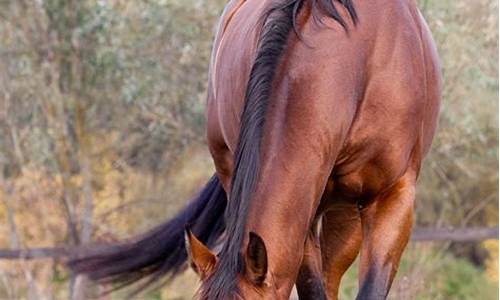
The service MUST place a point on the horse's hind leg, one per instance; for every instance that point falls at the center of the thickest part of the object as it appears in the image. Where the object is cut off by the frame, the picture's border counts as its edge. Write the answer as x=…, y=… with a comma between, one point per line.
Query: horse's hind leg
x=340, y=243
x=387, y=223
x=310, y=281
x=327, y=259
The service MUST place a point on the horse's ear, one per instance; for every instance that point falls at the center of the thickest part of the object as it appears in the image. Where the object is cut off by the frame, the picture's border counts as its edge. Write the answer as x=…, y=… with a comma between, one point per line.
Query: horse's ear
x=256, y=259
x=202, y=259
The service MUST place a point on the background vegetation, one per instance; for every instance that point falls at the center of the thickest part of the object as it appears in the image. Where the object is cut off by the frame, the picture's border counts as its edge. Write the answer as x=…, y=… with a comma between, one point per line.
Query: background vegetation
x=102, y=137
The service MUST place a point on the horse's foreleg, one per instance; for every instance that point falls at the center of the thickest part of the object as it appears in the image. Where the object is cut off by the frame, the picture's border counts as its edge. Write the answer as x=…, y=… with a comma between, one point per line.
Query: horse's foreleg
x=340, y=244
x=387, y=224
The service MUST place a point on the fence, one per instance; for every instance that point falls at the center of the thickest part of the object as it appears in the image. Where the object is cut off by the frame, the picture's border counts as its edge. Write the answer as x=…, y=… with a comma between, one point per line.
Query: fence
x=419, y=235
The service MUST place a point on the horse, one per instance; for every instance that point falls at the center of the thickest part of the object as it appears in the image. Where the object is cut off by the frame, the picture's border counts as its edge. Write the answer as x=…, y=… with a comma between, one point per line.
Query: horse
x=319, y=116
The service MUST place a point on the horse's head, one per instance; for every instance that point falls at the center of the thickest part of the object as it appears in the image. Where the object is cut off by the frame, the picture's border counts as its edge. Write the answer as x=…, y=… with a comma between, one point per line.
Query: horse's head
x=254, y=282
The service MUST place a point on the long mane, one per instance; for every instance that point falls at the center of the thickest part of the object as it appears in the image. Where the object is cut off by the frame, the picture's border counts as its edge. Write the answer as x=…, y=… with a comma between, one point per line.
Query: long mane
x=279, y=21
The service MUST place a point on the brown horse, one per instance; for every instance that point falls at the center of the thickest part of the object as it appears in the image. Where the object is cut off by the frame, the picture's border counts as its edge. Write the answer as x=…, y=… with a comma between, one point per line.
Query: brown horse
x=320, y=113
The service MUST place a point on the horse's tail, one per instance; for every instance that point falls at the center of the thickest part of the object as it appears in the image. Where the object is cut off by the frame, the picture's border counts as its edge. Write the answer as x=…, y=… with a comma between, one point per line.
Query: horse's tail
x=160, y=252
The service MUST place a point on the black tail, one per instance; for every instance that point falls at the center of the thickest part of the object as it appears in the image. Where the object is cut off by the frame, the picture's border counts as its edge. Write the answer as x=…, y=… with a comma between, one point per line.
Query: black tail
x=160, y=252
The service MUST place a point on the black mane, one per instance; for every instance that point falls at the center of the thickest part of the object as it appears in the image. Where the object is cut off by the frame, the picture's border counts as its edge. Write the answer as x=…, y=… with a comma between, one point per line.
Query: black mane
x=279, y=21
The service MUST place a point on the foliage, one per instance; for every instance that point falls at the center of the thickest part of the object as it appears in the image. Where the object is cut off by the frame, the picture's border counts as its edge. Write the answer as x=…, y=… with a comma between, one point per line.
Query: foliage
x=457, y=171
x=102, y=136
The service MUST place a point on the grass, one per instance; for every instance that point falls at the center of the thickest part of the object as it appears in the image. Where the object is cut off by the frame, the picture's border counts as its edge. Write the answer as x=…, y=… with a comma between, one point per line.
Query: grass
x=426, y=272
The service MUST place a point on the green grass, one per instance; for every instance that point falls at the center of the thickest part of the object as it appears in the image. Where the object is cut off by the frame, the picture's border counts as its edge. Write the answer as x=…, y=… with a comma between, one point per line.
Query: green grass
x=425, y=273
